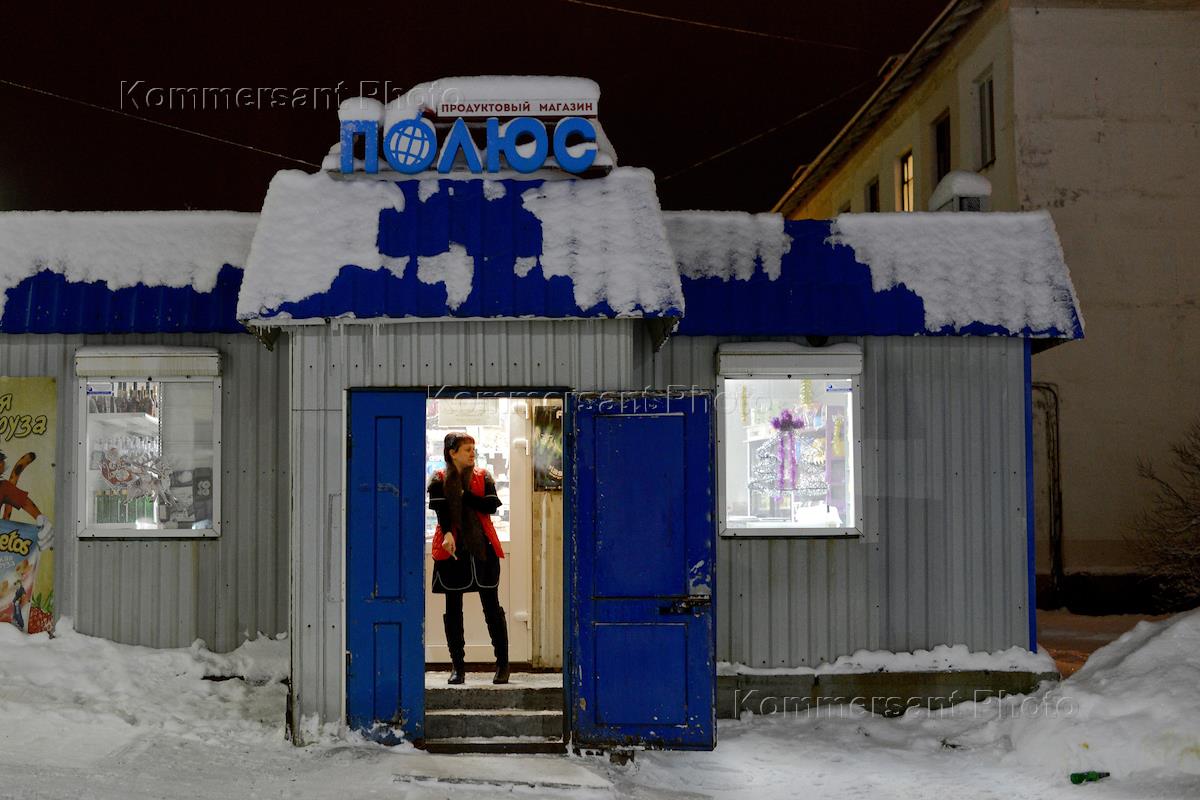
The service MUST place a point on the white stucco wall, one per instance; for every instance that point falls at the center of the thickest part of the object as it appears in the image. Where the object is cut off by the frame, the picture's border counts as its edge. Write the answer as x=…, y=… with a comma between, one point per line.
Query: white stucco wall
x=1107, y=122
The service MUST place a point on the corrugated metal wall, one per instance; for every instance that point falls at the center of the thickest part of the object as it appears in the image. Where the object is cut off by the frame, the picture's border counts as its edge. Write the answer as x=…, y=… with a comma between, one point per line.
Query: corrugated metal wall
x=165, y=593
x=579, y=354
x=944, y=468
x=945, y=461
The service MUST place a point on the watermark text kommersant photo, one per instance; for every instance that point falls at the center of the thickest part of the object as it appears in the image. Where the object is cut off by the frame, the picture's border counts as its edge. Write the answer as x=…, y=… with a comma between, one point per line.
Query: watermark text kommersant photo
x=146, y=95
x=979, y=703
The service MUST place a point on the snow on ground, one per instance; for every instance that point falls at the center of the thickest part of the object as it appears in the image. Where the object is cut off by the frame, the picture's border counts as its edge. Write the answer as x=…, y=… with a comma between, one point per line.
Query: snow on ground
x=942, y=657
x=89, y=718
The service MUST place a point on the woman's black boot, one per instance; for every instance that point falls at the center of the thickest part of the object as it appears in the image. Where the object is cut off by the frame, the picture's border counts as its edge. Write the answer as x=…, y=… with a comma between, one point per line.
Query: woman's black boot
x=457, y=644
x=498, y=630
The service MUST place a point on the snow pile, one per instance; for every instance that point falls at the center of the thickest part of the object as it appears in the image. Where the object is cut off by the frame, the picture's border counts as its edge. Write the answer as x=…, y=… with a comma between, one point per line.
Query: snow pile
x=726, y=244
x=940, y=658
x=996, y=269
x=607, y=236
x=261, y=660
x=73, y=680
x=123, y=248
x=311, y=226
x=1134, y=706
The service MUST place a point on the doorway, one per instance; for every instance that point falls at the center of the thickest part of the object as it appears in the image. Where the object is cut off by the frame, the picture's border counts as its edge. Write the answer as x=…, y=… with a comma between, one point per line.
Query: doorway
x=519, y=441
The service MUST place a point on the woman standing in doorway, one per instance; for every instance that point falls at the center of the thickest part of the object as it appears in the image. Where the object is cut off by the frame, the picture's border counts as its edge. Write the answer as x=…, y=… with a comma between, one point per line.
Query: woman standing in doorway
x=466, y=550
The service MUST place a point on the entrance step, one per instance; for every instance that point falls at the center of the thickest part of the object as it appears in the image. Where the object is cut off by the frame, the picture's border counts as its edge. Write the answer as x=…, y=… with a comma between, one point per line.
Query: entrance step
x=478, y=723
x=528, y=698
x=531, y=691
x=496, y=744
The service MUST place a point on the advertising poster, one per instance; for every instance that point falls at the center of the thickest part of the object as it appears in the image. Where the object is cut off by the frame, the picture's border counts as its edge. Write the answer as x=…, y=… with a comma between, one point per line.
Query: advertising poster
x=28, y=431
x=547, y=449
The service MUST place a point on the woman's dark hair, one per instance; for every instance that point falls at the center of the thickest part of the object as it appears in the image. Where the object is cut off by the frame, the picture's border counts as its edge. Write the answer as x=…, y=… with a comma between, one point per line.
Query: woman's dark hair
x=452, y=482
x=453, y=441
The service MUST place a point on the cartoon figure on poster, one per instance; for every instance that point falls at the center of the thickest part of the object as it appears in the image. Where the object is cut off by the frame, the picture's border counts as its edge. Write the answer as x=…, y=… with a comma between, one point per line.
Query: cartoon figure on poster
x=21, y=548
x=27, y=445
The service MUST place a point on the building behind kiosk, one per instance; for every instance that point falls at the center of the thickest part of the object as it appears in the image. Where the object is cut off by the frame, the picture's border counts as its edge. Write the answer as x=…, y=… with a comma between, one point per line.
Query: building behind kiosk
x=552, y=281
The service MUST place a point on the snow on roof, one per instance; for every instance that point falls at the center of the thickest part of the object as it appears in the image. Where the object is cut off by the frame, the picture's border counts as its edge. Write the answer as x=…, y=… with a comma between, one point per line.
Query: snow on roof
x=310, y=227
x=726, y=244
x=959, y=183
x=605, y=235
x=1002, y=269
x=122, y=248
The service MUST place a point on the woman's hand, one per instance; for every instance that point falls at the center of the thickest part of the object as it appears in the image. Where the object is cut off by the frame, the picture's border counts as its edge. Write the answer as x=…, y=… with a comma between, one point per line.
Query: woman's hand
x=448, y=544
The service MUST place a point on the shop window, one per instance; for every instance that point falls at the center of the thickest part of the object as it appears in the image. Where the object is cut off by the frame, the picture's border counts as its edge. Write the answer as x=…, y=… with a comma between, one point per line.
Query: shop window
x=905, y=184
x=789, y=438
x=150, y=442
x=984, y=89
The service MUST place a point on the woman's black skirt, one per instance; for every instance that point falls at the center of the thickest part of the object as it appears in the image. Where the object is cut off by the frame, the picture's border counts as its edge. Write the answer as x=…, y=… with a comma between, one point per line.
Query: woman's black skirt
x=466, y=573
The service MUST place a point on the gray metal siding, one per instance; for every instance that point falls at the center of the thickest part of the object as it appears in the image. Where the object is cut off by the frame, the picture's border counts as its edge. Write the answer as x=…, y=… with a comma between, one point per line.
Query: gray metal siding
x=165, y=593
x=944, y=488
x=326, y=361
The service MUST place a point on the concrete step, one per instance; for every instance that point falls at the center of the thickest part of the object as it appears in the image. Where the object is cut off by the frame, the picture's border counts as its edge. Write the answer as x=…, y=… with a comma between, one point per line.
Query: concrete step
x=528, y=698
x=505, y=722
x=497, y=744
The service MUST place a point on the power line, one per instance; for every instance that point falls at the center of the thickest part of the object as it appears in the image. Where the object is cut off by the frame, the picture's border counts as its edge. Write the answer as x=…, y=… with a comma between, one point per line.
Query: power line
x=713, y=26
x=768, y=131
x=159, y=123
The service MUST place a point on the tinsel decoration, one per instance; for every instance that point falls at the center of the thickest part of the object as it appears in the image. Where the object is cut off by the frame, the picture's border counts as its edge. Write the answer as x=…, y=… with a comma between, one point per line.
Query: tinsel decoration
x=787, y=424
x=744, y=405
x=806, y=393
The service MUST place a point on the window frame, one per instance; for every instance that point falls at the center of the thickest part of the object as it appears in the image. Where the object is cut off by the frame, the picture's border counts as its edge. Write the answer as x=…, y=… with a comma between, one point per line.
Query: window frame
x=154, y=361
x=792, y=361
x=906, y=189
x=985, y=92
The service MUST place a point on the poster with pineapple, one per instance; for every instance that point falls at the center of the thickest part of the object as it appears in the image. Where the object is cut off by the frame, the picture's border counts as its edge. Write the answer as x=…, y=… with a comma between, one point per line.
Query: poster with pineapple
x=28, y=433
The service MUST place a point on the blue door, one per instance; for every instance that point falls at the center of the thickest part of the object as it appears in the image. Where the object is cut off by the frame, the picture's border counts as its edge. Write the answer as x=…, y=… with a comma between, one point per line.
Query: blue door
x=642, y=545
x=385, y=552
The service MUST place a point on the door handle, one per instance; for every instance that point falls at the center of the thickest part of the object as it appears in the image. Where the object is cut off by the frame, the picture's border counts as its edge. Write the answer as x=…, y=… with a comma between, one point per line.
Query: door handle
x=692, y=604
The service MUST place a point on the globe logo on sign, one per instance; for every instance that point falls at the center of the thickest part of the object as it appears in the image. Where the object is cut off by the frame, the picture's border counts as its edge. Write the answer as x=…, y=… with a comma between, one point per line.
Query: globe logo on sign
x=410, y=146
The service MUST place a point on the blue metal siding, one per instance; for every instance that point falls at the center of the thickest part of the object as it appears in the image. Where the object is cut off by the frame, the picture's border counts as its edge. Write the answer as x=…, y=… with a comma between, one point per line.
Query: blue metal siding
x=821, y=291
x=47, y=302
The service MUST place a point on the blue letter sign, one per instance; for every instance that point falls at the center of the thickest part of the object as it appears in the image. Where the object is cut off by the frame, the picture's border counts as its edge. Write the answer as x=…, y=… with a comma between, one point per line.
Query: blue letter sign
x=411, y=145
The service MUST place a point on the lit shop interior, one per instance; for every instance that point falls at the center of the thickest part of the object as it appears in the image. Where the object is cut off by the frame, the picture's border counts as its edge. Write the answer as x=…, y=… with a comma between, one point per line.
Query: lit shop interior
x=788, y=459
x=149, y=455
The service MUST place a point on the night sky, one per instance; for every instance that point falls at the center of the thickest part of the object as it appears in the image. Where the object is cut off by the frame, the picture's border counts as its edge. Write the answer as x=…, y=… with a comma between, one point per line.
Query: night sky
x=673, y=95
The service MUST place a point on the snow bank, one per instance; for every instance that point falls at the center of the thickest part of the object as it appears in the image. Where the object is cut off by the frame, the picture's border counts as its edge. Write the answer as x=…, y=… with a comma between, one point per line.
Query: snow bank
x=940, y=658
x=1134, y=706
x=123, y=248
x=994, y=268
x=311, y=226
x=261, y=660
x=726, y=244
x=74, y=680
x=607, y=236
